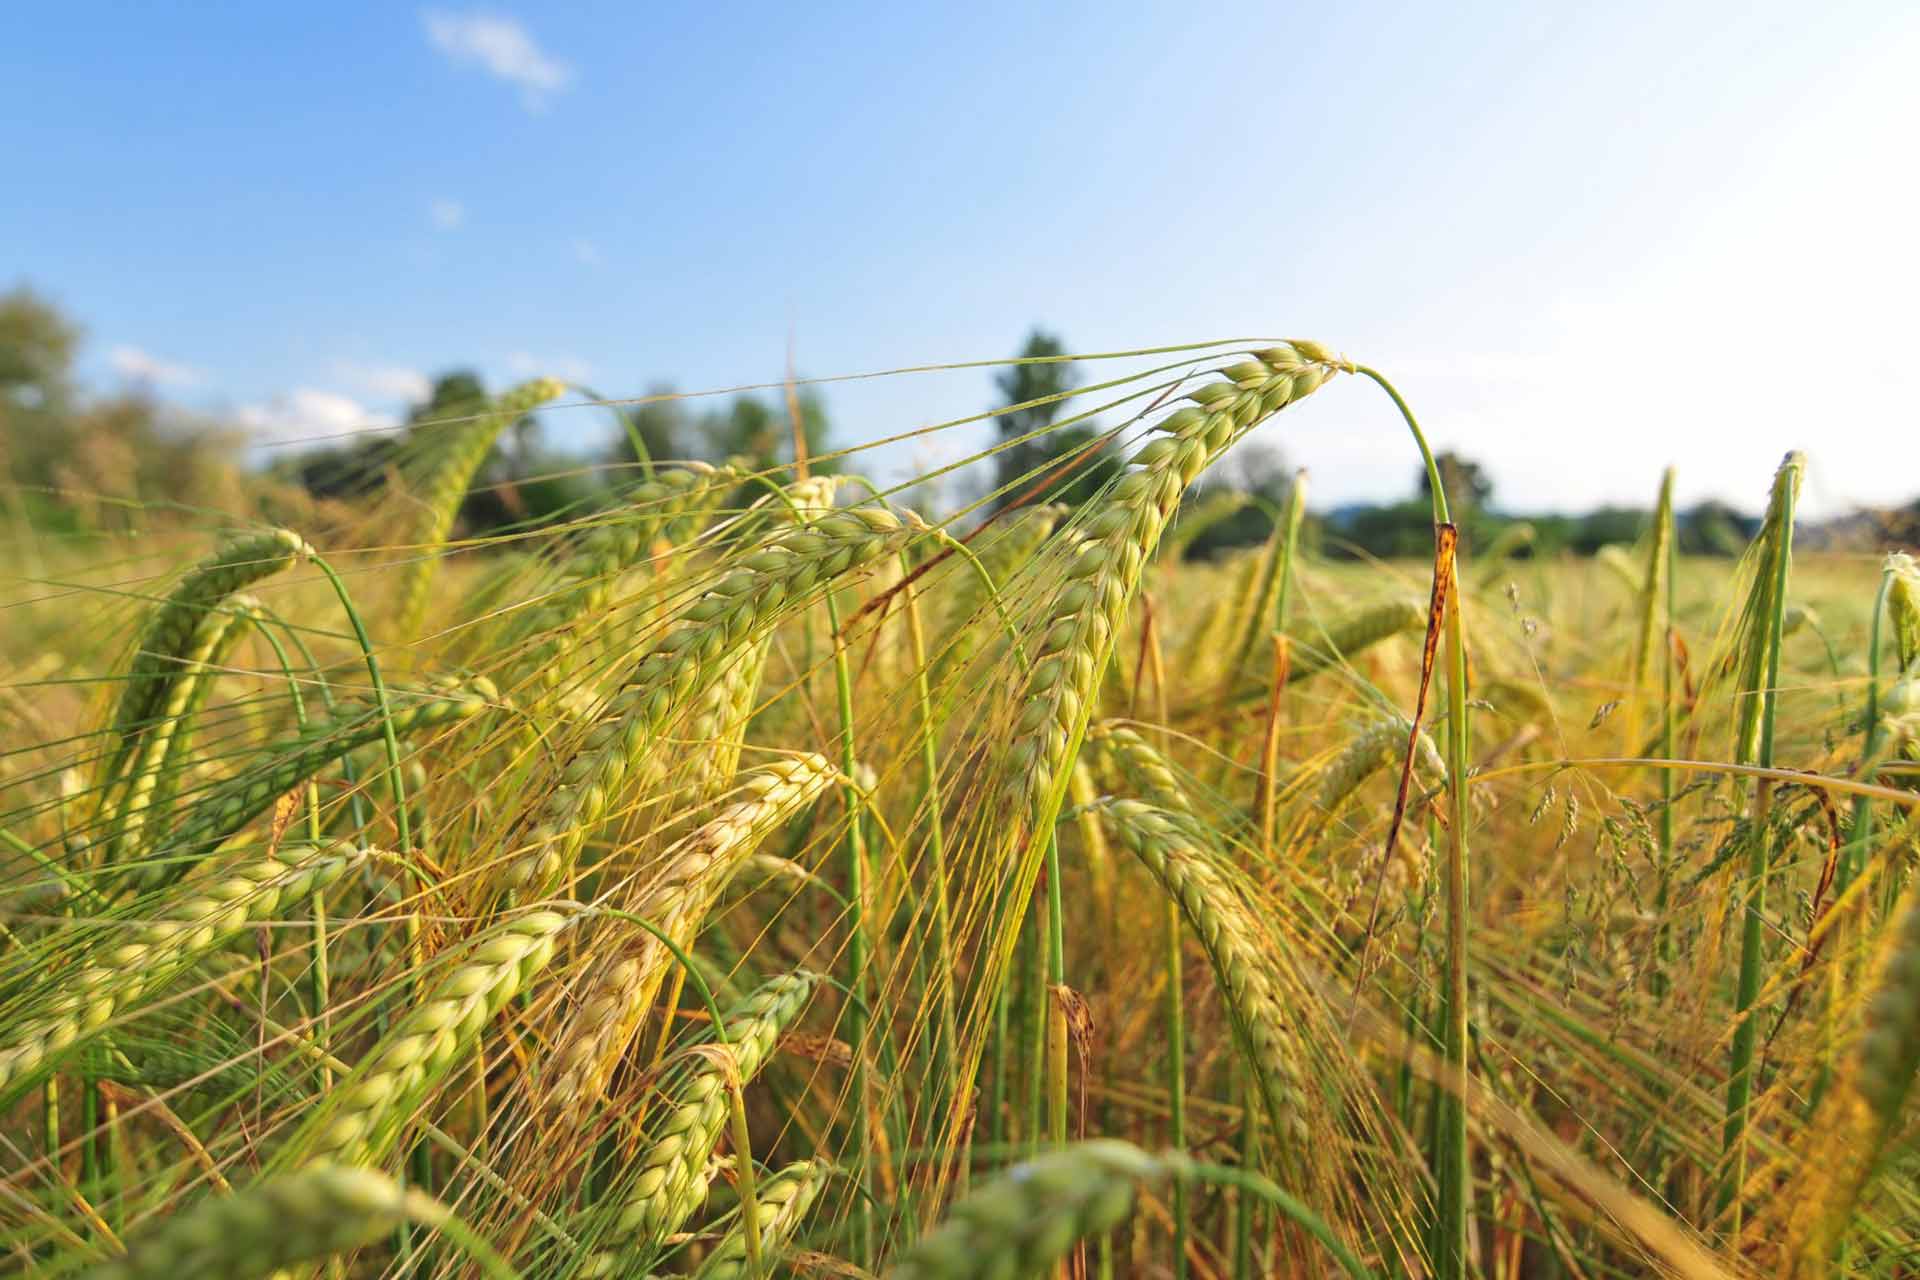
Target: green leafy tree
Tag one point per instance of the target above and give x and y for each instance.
(36, 353)
(661, 424)
(1469, 488)
(762, 432)
(1020, 462)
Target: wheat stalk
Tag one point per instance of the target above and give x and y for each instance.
(1076, 634)
(658, 510)
(675, 1166)
(162, 751)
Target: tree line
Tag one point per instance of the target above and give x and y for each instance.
(73, 459)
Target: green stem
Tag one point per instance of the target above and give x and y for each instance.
(857, 954)
(1176, 1080)
(1290, 1207)
(1665, 946)
(1452, 1157)
(946, 1034)
(1056, 1015)
(1752, 937)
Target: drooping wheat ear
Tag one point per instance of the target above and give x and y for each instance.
(248, 614)
(1175, 851)
(170, 628)
(671, 1184)
(1354, 633)
(780, 1206)
(1903, 607)
(739, 610)
(675, 900)
(1862, 1115)
(164, 747)
(1082, 618)
(277, 1222)
(198, 920)
(661, 509)
(1141, 770)
(359, 1122)
(717, 725)
(232, 803)
(1377, 745)
(455, 452)
(1029, 1218)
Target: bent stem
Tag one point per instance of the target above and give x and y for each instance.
(1451, 1156)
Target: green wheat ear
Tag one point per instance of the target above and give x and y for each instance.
(454, 452)
(160, 653)
(1028, 1219)
(299, 1217)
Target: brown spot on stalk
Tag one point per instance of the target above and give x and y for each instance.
(1446, 538)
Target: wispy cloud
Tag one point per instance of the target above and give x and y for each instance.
(385, 382)
(525, 364)
(447, 214)
(307, 413)
(501, 47)
(143, 366)
(586, 252)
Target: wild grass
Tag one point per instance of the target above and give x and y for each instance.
(756, 875)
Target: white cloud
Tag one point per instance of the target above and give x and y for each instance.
(447, 214)
(143, 366)
(503, 48)
(586, 252)
(527, 365)
(385, 382)
(307, 413)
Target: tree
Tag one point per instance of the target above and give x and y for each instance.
(1021, 462)
(36, 352)
(660, 421)
(1468, 486)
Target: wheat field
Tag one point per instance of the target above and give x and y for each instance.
(755, 875)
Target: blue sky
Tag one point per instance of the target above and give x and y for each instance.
(1587, 240)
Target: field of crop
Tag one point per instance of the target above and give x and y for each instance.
(752, 876)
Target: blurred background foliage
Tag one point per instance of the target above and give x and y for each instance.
(78, 460)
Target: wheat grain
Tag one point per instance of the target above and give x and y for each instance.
(674, 1168)
(1172, 848)
(170, 628)
(1076, 635)
(1029, 1218)
(360, 1122)
(706, 636)
(298, 1217)
(454, 453)
(199, 919)
(675, 900)
(780, 1206)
